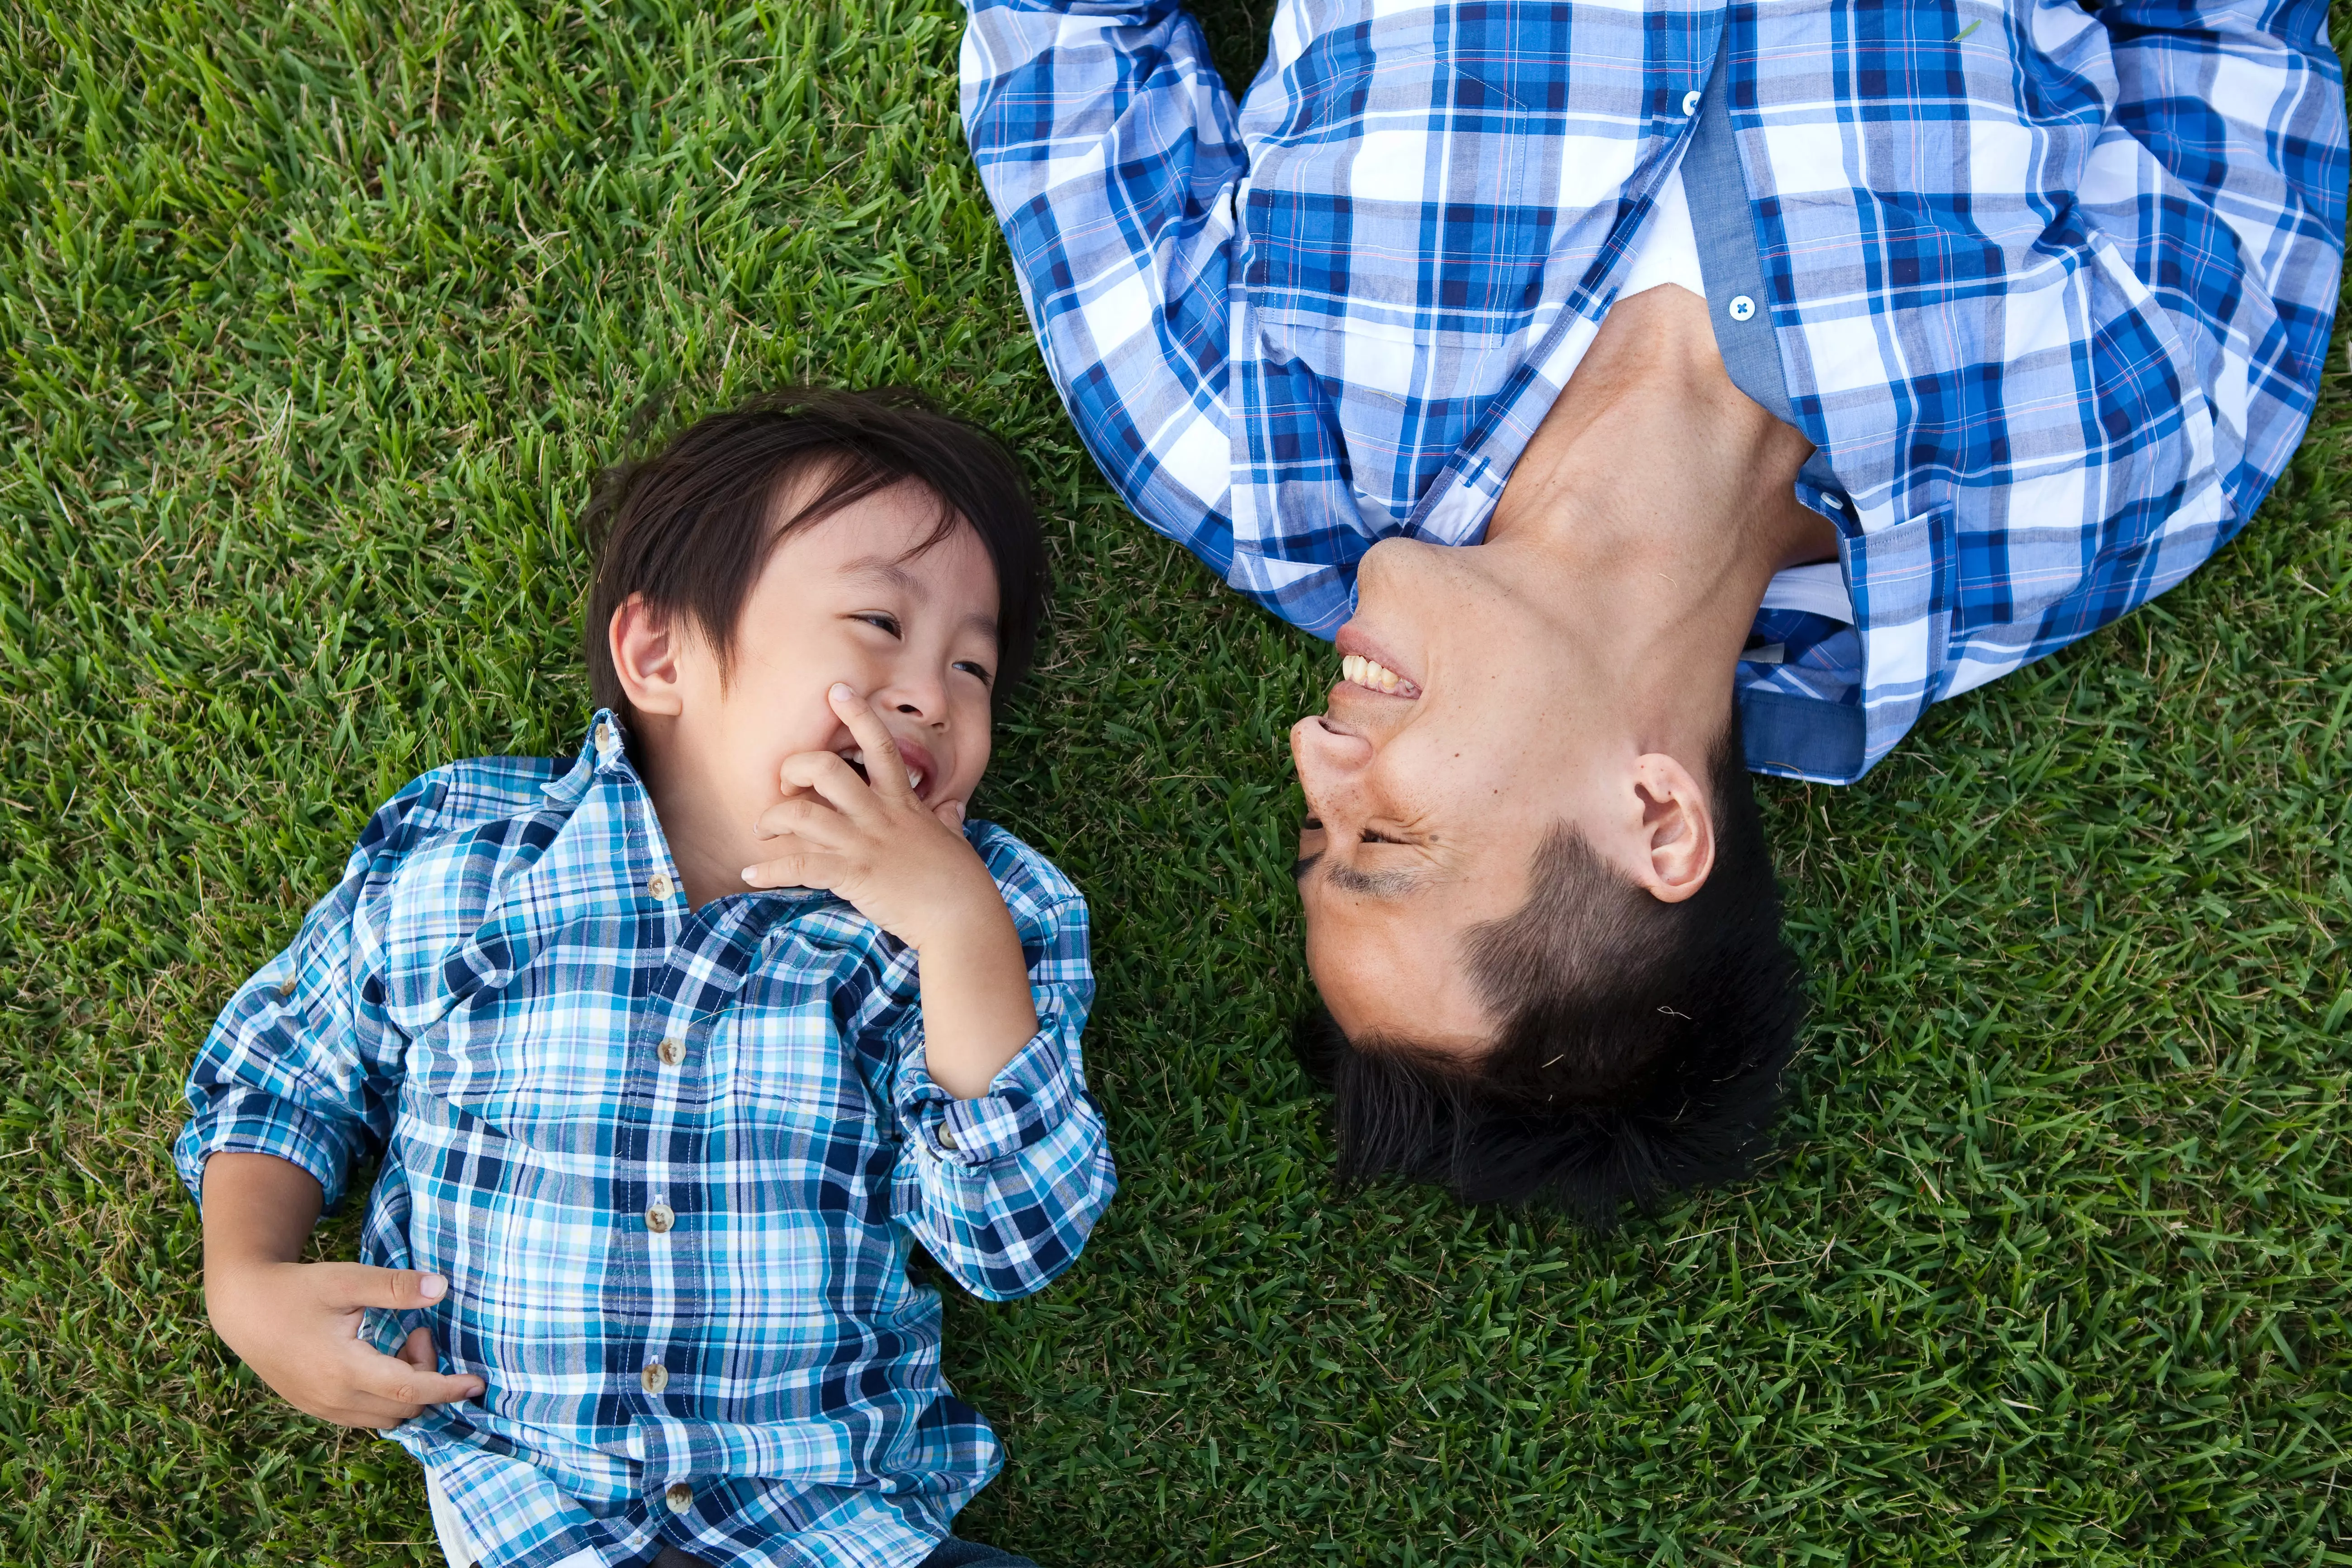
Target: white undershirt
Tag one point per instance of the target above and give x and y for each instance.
(1666, 250)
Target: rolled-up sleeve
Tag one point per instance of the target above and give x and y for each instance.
(1110, 147)
(1003, 1189)
(303, 1063)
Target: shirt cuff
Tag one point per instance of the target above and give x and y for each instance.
(250, 1121)
(1025, 1101)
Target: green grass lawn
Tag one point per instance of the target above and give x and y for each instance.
(318, 322)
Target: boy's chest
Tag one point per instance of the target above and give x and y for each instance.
(730, 1030)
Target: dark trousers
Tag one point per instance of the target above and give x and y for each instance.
(951, 1554)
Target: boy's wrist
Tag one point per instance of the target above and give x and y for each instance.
(976, 921)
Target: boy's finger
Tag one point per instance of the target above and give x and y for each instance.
(391, 1379)
(813, 870)
(835, 781)
(416, 1349)
(952, 813)
(803, 818)
(885, 769)
(357, 1285)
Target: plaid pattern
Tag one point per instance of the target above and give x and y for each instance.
(2051, 288)
(492, 996)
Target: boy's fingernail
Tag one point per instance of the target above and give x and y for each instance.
(841, 692)
(431, 1287)
(748, 871)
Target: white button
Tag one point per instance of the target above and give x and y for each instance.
(660, 1217)
(947, 1136)
(655, 1378)
(1690, 103)
(1742, 308)
(604, 737)
(680, 1497)
(661, 886)
(673, 1051)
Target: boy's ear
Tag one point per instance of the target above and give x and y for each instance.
(645, 656)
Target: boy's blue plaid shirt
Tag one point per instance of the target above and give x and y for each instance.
(634, 1134)
(2051, 290)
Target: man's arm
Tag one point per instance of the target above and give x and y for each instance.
(2240, 105)
(1108, 144)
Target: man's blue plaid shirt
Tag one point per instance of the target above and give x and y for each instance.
(672, 1162)
(2050, 289)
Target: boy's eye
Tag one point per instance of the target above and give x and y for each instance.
(888, 623)
(969, 668)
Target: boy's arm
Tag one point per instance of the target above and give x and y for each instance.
(1007, 1166)
(295, 1080)
(1005, 1187)
(297, 1324)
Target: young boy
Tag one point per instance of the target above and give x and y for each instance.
(674, 1048)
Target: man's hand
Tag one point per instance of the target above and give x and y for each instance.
(298, 1324)
(909, 870)
(905, 866)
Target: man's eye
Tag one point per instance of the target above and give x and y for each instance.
(888, 623)
(969, 667)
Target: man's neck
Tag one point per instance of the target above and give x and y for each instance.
(1654, 504)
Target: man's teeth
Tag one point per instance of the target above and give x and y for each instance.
(1371, 673)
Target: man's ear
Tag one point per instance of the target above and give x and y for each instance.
(644, 645)
(1677, 829)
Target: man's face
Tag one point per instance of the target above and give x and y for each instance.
(846, 599)
(1430, 781)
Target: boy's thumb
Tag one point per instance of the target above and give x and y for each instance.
(952, 813)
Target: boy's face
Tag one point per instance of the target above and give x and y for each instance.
(845, 599)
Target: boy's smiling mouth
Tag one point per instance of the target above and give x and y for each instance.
(920, 768)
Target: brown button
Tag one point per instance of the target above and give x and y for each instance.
(660, 1217)
(655, 1378)
(661, 887)
(680, 1497)
(673, 1051)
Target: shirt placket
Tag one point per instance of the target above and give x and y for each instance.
(662, 1075)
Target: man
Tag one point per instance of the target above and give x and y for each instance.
(1638, 393)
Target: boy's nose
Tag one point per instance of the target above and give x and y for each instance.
(922, 700)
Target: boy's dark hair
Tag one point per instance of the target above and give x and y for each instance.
(1641, 1047)
(691, 526)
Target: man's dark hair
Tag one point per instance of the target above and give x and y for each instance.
(1640, 1044)
(691, 527)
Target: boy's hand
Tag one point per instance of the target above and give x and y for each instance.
(904, 865)
(297, 1325)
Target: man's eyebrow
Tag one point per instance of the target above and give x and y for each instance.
(1365, 884)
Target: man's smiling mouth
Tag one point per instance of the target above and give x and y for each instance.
(1374, 675)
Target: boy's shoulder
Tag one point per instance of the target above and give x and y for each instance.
(480, 801)
(1032, 885)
